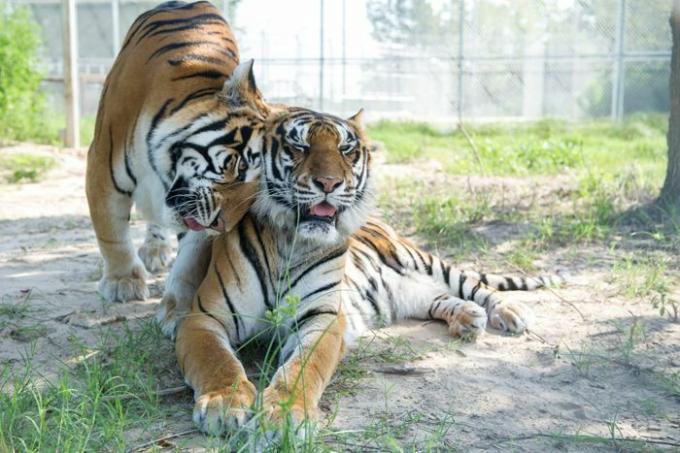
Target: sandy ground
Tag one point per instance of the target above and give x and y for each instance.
(571, 375)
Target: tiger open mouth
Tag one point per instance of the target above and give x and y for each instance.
(193, 224)
(320, 212)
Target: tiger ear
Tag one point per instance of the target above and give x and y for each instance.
(240, 88)
(357, 119)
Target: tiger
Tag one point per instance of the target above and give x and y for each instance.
(177, 115)
(309, 243)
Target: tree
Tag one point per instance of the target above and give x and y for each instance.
(411, 22)
(670, 193)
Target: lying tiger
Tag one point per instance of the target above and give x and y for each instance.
(172, 123)
(308, 239)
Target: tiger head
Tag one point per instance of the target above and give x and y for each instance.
(223, 148)
(315, 180)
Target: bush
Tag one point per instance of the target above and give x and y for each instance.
(22, 106)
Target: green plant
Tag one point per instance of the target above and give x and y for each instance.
(15, 168)
(22, 107)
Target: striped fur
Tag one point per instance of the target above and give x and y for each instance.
(177, 115)
(342, 276)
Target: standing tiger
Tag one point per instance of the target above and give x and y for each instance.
(177, 115)
(308, 241)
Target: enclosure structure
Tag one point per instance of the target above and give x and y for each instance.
(441, 61)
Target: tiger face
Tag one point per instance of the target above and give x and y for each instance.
(221, 151)
(315, 179)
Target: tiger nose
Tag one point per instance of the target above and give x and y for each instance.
(327, 183)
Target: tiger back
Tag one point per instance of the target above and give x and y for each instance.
(177, 116)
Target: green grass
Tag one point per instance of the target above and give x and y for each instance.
(544, 147)
(23, 167)
(92, 403)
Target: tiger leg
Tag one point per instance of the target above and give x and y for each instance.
(222, 392)
(311, 356)
(156, 251)
(465, 319)
(186, 275)
(502, 314)
(124, 274)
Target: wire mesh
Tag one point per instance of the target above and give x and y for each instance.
(434, 60)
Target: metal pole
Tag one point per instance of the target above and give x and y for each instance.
(461, 49)
(321, 54)
(115, 26)
(71, 98)
(619, 65)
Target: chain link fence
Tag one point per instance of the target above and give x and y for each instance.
(441, 61)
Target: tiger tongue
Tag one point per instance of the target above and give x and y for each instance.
(323, 209)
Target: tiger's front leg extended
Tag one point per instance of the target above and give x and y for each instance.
(222, 392)
(311, 355)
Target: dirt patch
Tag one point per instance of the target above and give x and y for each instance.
(596, 363)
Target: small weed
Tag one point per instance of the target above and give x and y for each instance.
(647, 278)
(523, 259)
(582, 360)
(17, 168)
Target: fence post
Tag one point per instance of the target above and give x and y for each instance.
(115, 26)
(71, 98)
(461, 50)
(321, 54)
(618, 88)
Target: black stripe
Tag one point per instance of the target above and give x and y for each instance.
(399, 270)
(475, 289)
(299, 322)
(320, 290)
(461, 281)
(154, 124)
(204, 74)
(128, 169)
(193, 96)
(252, 256)
(446, 269)
(179, 45)
(194, 57)
(205, 312)
(113, 176)
(338, 253)
(152, 28)
(365, 294)
(228, 301)
(428, 267)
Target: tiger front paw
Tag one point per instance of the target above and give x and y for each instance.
(169, 315)
(281, 410)
(468, 321)
(123, 289)
(225, 410)
(514, 317)
(155, 254)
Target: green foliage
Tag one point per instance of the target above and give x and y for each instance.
(88, 407)
(16, 168)
(22, 107)
(545, 147)
(412, 22)
(646, 90)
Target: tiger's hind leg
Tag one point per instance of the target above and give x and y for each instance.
(186, 275)
(156, 251)
(465, 319)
